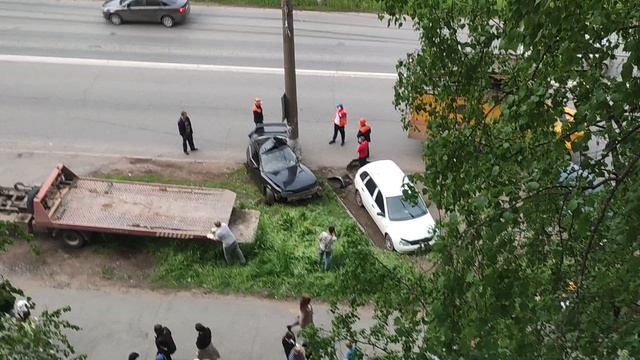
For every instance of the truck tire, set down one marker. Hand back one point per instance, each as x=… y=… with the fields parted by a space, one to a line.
x=30 y=196
x=74 y=239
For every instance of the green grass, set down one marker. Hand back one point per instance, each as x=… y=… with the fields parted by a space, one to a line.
x=329 y=5
x=282 y=263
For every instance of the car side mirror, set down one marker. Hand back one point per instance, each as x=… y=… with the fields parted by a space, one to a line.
x=380 y=214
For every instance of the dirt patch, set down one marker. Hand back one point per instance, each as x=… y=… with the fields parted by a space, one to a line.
x=190 y=170
x=52 y=261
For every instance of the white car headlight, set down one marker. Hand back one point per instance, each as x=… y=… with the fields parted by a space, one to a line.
x=404 y=242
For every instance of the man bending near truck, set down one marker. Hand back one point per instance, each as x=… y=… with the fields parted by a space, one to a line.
x=230 y=248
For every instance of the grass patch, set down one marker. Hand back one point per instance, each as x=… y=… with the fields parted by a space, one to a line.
x=327 y=5
x=282 y=262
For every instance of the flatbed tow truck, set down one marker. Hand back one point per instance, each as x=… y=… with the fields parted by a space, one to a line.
x=74 y=208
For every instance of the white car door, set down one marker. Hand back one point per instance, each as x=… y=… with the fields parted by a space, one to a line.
x=379 y=212
x=366 y=194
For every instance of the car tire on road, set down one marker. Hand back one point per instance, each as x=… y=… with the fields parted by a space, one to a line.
x=74 y=239
x=269 y=196
x=167 y=21
x=115 y=19
x=388 y=243
x=359 y=199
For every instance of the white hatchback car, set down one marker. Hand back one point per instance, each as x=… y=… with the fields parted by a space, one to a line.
x=406 y=226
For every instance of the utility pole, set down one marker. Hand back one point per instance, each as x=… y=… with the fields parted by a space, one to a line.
x=290 y=98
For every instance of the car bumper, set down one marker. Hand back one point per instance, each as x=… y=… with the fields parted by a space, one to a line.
x=416 y=246
x=106 y=14
x=295 y=196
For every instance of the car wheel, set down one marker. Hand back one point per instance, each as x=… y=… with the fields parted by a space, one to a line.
x=269 y=196
x=74 y=239
x=359 y=199
x=115 y=19
x=388 y=243
x=167 y=21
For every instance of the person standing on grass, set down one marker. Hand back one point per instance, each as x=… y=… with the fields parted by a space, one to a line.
x=164 y=341
x=186 y=131
x=258 y=116
x=363 y=151
x=206 y=350
x=305 y=318
x=339 y=123
x=325 y=243
x=230 y=248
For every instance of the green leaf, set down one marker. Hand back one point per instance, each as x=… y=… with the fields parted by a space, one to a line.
x=533 y=185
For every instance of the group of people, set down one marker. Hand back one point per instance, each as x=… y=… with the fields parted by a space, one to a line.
x=363 y=135
x=185 y=129
x=165 y=346
x=299 y=350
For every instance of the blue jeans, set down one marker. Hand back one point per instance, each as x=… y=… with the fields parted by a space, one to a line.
x=325 y=259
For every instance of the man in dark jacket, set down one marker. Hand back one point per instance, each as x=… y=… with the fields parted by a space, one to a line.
x=186 y=131
x=206 y=350
x=288 y=342
x=164 y=341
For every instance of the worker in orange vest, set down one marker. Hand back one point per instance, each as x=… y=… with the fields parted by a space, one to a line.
x=258 y=116
x=364 y=131
x=339 y=122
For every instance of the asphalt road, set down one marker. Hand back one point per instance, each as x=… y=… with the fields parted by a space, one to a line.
x=70 y=104
x=118 y=321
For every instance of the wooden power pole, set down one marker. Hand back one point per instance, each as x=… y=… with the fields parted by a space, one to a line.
x=290 y=98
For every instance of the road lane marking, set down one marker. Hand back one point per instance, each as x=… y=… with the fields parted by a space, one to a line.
x=22 y=153
x=191 y=67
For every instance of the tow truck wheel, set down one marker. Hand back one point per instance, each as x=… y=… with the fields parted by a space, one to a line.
x=269 y=196
x=74 y=239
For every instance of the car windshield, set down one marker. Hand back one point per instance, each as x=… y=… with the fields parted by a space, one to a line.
x=278 y=159
x=401 y=209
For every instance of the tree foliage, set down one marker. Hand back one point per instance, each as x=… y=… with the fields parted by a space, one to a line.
x=41 y=338
x=527 y=266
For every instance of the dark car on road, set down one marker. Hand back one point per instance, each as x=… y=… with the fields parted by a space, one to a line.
x=167 y=12
x=276 y=166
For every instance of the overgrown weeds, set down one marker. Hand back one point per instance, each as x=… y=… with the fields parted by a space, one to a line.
x=283 y=260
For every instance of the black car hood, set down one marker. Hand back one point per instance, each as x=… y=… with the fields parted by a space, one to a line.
x=295 y=179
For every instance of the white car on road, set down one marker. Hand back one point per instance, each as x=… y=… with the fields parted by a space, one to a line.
x=407 y=226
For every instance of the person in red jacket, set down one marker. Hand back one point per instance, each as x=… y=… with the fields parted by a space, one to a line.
x=339 y=123
x=258 y=116
x=363 y=151
x=365 y=130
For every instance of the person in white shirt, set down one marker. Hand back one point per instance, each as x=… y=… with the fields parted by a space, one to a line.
x=325 y=243
x=230 y=248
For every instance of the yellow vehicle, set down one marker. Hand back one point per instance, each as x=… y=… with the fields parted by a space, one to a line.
x=419 y=119
x=569 y=113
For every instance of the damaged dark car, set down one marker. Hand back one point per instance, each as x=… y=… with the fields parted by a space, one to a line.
x=280 y=174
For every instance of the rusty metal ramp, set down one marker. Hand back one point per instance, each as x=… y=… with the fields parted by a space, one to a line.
x=131 y=207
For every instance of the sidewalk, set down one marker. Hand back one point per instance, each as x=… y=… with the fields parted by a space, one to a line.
x=117 y=321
